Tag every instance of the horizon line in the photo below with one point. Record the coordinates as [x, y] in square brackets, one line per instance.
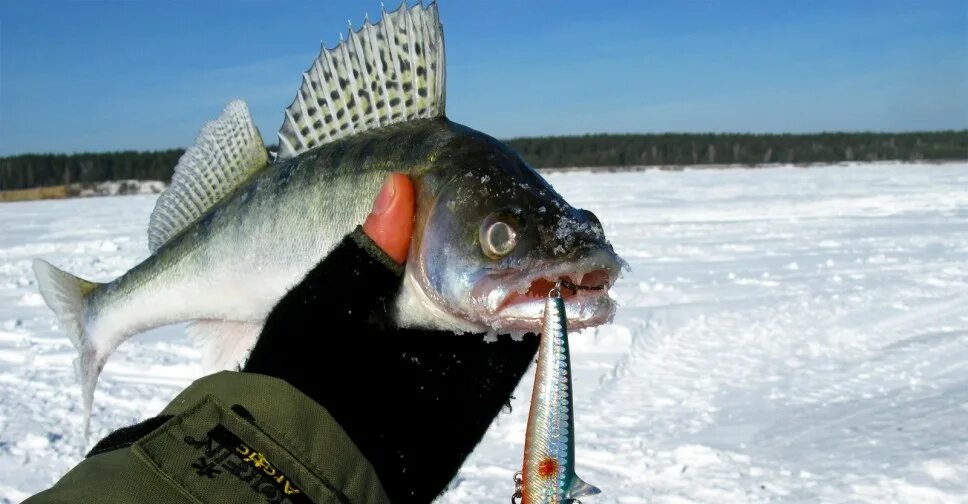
[530, 137]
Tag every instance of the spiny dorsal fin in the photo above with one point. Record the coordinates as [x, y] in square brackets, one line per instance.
[227, 152]
[384, 73]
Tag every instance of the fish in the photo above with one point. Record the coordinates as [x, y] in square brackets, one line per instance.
[548, 471]
[237, 228]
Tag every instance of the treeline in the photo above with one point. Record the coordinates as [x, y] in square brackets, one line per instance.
[39, 170]
[670, 149]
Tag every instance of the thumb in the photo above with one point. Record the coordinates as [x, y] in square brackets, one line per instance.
[390, 223]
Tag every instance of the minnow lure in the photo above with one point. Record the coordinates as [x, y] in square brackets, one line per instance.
[548, 474]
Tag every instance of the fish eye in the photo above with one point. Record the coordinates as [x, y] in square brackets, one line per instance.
[498, 235]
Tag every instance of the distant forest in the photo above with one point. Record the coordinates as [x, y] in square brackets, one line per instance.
[671, 149]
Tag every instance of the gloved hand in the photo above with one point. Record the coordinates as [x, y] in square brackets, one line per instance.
[415, 402]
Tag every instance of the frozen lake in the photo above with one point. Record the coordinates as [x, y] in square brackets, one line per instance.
[784, 335]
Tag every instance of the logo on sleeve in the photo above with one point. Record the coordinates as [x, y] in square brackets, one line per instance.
[222, 452]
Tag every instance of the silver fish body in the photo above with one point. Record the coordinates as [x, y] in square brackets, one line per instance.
[244, 254]
[548, 473]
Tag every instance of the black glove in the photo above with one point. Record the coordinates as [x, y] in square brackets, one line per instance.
[414, 402]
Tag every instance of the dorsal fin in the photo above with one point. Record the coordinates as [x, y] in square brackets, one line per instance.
[227, 152]
[384, 73]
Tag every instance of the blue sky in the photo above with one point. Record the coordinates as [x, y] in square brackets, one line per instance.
[106, 75]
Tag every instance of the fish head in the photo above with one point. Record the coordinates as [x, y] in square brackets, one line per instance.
[492, 237]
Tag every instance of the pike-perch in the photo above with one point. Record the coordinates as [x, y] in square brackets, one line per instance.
[235, 231]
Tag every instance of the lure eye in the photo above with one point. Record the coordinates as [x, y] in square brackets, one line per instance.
[498, 235]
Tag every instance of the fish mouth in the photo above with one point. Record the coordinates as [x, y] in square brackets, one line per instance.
[515, 299]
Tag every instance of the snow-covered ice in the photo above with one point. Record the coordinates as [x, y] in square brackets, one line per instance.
[785, 335]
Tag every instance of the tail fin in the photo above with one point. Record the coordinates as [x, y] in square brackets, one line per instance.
[67, 296]
[580, 489]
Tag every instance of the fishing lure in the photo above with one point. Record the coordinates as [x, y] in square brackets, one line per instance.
[548, 473]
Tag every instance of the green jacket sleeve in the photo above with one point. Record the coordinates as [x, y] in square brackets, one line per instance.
[233, 438]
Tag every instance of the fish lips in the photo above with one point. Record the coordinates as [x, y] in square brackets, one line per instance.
[514, 299]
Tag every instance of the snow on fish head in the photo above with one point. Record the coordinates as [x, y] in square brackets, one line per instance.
[491, 239]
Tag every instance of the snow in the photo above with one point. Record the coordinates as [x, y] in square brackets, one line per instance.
[784, 334]
[118, 187]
